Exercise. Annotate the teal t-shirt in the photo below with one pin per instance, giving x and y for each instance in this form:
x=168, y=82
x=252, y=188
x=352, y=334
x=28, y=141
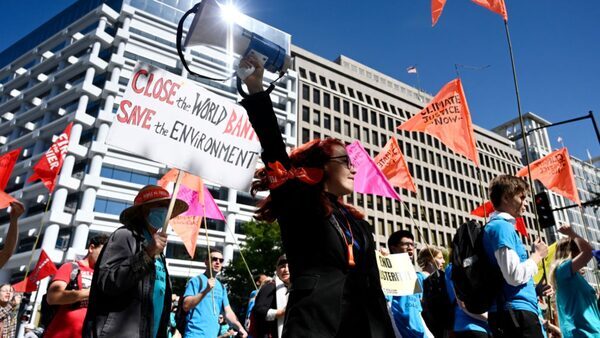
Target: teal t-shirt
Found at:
x=159, y=289
x=500, y=233
x=203, y=320
x=462, y=321
x=578, y=312
x=406, y=312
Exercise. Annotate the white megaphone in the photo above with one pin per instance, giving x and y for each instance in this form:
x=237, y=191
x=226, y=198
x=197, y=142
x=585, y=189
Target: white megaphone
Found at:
x=213, y=23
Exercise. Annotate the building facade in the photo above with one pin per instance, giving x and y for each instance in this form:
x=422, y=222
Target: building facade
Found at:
x=584, y=220
x=348, y=100
x=75, y=68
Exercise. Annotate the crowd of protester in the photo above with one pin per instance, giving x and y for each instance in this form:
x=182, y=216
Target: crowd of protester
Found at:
x=327, y=284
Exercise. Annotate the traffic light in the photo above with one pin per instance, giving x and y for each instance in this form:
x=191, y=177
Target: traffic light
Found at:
x=544, y=211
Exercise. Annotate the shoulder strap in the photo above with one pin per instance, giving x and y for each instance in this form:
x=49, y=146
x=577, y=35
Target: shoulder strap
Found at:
x=74, y=277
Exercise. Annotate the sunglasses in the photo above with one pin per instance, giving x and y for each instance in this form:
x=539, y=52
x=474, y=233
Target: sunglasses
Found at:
x=343, y=159
x=215, y=259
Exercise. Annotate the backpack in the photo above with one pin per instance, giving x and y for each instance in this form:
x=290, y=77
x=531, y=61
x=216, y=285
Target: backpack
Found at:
x=181, y=314
x=438, y=310
x=477, y=282
x=47, y=311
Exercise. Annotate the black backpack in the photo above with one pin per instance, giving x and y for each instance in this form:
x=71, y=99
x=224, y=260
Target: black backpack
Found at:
x=47, y=311
x=181, y=314
x=477, y=282
x=438, y=311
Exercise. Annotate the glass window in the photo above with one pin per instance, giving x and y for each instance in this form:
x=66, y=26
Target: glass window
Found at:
x=305, y=92
x=337, y=125
x=326, y=121
x=316, y=96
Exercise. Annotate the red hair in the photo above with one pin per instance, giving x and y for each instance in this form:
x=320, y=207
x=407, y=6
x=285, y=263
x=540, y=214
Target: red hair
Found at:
x=312, y=154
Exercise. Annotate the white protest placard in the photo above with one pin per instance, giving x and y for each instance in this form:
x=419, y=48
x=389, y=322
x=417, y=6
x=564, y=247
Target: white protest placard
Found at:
x=172, y=120
x=398, y=275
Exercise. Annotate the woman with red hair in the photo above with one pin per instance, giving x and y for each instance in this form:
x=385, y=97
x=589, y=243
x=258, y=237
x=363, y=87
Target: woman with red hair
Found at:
x=335, y=287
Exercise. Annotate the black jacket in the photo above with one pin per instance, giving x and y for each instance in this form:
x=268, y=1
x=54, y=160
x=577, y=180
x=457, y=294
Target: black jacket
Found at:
x=122, y=290
x=266, y=299
x=316, y=249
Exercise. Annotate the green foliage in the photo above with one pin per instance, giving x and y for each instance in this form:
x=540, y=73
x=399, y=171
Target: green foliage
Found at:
x=261, y=250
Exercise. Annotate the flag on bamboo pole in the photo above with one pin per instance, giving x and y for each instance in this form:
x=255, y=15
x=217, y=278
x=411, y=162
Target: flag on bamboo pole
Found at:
x=44, y=268
x=487, y=208
x=392, y=164
x=368, y=178
x=447, y=118
x=549, y=261
x=49, y=165
x=555, y=172
x=437, y=6
x=7, y=163
x=496, y=6
x=199, y=200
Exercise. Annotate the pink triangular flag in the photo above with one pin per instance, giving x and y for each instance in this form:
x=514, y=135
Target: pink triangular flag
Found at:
x=368, y=178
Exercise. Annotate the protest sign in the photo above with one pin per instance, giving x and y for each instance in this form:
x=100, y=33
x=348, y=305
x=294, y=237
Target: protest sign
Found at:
x=397, y=274
x=172, y=120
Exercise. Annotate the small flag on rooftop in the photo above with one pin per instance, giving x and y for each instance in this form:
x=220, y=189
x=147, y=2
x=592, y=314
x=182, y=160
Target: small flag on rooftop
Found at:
x=411, y=70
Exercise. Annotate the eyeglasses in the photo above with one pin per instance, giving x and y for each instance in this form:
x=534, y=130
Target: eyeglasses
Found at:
x=407, y=244
x=343, y=159
x=217, y=259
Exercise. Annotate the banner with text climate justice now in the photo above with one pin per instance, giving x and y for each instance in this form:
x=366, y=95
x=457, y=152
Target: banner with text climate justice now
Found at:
x=171, y=120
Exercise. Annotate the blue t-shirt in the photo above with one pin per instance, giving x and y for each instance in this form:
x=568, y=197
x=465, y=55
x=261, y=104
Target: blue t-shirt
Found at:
x=462, y=321
x=500, y=233
x=203, y=320
x=158, y=292
x=406, y=312
x=578, y=312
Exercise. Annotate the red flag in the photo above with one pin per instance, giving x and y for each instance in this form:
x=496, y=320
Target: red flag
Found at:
x=368, y=178
x=496, y=6
x=26, y=285
x=49, y=165
x=392, y=164
x=555, y=172
x=44, y=268
x=520, y=226
x=7, y=163
x=5, y=200
x=487, y=208
x=437, y=6
x=483, y=210
x=447, y=118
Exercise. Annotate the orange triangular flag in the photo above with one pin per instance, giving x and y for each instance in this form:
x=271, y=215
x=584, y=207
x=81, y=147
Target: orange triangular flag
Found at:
x=447, y=117
x=191, y=181
x=555, y=172
x=392, y=164
x=496, y=6
x=437, y=6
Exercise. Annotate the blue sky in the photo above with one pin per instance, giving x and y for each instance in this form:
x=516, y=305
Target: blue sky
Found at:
x=556, y=46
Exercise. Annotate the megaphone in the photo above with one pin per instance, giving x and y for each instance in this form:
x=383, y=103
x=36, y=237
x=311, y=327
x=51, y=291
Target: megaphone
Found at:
x=212, y=25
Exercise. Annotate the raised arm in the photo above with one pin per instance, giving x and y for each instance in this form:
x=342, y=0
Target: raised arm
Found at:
x=585, y=249
x=16, y=210
x=262, y=117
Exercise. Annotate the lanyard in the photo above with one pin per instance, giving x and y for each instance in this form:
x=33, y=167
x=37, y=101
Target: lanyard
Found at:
x=349, y=248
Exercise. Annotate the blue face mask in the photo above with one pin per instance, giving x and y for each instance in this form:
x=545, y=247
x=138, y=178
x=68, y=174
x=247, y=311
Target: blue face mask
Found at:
x=156, y=217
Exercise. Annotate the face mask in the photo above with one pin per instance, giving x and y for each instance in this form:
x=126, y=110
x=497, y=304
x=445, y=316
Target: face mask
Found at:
x=156, y=217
